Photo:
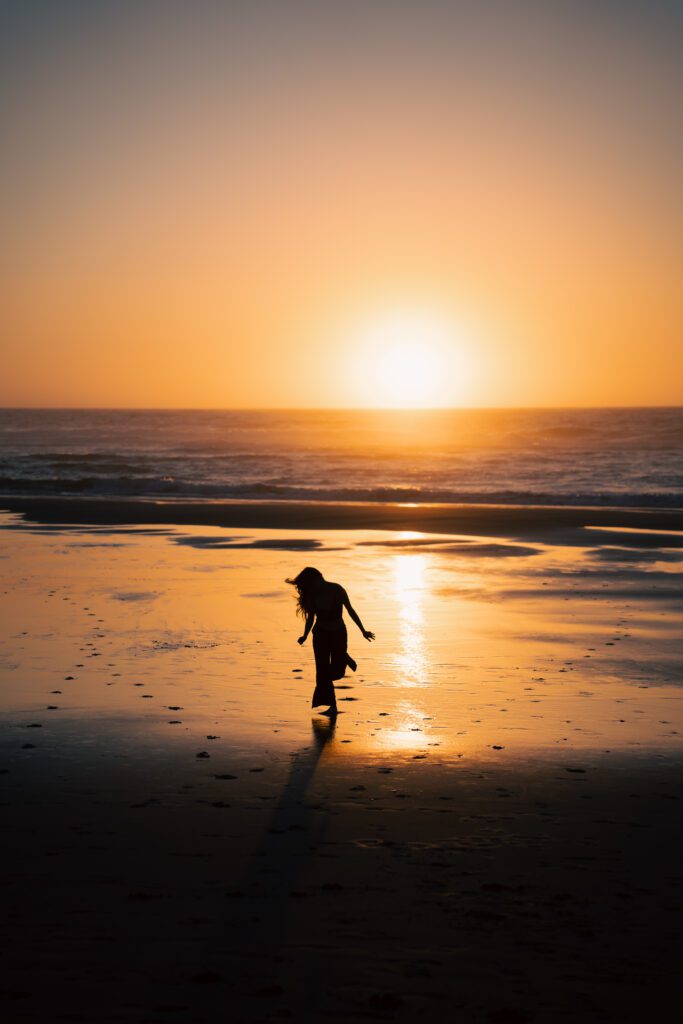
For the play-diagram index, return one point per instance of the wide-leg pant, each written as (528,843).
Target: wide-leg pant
(329,647)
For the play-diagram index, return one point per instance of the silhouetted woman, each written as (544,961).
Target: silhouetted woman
(322,602)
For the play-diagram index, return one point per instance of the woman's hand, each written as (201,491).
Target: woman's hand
(301,640)
(368,635)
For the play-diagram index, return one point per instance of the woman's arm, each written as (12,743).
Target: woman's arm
(354,615)
(309,625)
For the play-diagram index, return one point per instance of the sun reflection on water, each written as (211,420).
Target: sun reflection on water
(407,730)
(410,659)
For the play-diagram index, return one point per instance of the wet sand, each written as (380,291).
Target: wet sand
(493,520)
(491,831)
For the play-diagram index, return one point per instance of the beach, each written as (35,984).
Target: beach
(370,311)
(490,830)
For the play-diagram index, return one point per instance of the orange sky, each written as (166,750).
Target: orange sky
(205,208)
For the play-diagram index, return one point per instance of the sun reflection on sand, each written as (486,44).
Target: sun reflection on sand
(410,659)
(408,730)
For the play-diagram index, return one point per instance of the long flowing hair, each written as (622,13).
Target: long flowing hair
(306,583)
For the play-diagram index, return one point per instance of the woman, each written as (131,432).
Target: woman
(322,602)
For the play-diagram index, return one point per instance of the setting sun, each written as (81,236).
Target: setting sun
(409,360)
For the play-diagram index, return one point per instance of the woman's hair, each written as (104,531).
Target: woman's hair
(305,583)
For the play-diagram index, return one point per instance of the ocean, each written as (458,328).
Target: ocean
(622,457)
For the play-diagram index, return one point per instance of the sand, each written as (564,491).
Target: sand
(477,519)
(491,831)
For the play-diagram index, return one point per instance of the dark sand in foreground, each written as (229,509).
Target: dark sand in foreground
(490,833)
(507,893)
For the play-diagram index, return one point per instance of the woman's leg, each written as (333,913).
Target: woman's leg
(338,655)
(324,689)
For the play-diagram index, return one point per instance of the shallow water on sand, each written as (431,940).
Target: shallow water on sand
(182,644)
(495,799)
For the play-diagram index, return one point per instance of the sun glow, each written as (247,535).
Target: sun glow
(408,360)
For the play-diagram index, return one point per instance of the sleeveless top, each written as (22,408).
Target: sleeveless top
(329,615)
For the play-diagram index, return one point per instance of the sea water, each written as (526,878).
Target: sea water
(629,457)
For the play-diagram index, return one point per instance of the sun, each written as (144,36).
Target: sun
(407,373)
(406,360)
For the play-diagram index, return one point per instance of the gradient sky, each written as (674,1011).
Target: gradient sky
(207,204)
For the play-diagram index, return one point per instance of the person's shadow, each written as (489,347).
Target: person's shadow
(257,921)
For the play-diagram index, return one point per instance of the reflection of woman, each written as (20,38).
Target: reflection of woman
(322,602)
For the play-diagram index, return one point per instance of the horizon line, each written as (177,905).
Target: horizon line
(331,408)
